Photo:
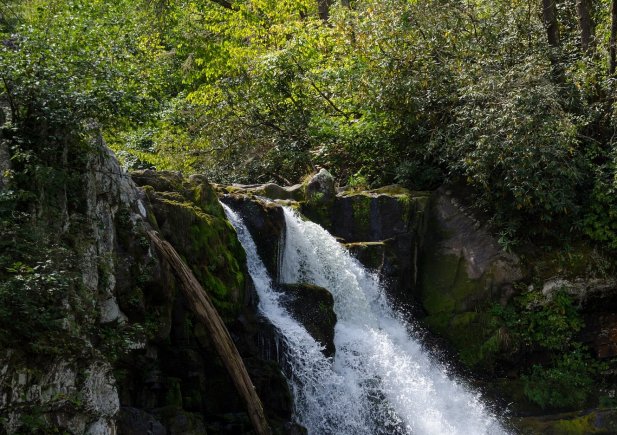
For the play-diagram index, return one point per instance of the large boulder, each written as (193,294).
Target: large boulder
(312,306)
(384,228)
(320,187)
(189,216)
(596,421)
(266,223)
(379,214)
(462,269)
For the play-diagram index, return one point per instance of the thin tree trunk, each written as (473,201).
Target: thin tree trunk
(585,23)
(549,17)
(613,41)
(201,305)
(323,7)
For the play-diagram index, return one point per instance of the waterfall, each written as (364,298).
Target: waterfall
(316,387)
(380,381)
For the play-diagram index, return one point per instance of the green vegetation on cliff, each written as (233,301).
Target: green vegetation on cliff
(515,100)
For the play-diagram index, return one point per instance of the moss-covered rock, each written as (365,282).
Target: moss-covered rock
(187,375)
(190,217)
(463,272)
(271,191)
(370,254)
(578,423)
(377,215)
(320,187)
(386,229)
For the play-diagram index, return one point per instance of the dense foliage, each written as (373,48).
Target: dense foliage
(511,103)
(500,96)
(67,70)
(544,329)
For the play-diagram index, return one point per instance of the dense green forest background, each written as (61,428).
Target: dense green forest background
(511,100)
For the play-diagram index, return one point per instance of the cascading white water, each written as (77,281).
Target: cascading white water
(323,399)
(381,381)
(400,388)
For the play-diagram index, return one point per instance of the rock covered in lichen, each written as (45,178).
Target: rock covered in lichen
(68,383)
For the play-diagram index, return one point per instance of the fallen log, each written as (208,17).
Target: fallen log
(202,307)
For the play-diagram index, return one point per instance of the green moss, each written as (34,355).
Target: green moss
(438,323)
(233,189)
(361,207)
(319,213)
(173,397)
(204,196)
(581,425)
(564,424)
(391,190)
(464,319)
(406,207)
(194,223)
(448,296)
(445,284)
(193,400)
(370,254)
(220,272)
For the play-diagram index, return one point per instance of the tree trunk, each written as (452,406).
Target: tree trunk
(585,23)
(549,17)
(323,7)
(613,42)
(204,310)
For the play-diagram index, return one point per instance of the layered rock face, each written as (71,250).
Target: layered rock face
(76,390)
(383,228)
(143,363)
(463,270)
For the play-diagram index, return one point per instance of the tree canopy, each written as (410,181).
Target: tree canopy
(514,100)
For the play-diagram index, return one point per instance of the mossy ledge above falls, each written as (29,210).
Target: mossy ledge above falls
(97,337)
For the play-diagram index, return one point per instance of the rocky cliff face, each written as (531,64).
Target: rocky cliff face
(114,347)
(463,271)
(75,389)
(142,363)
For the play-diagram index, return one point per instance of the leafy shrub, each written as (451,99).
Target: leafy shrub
(568,382)
(418,175)
(513,141)
(600,219)
(357,182)
(535,322)
(38,302)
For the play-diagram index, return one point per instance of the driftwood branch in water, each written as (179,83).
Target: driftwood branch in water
(201,305)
